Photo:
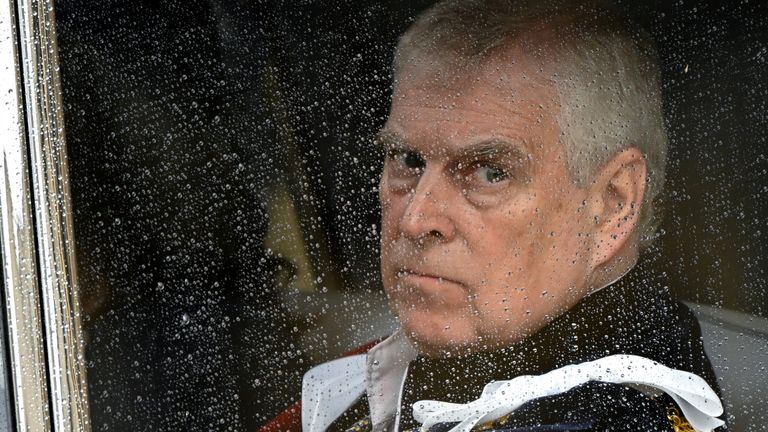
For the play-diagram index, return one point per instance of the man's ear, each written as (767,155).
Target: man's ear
(616,196)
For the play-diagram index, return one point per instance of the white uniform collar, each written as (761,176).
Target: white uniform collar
(387,365)
(328,390)
(699,403)
(332,388)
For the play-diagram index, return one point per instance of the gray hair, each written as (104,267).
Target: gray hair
(606,75)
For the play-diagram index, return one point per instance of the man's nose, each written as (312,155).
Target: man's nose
(428,212)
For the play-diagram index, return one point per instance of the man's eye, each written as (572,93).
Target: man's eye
(408,159)
(490,174)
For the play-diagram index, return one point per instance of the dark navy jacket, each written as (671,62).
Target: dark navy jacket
(636,315)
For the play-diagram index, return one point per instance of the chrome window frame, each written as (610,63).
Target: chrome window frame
(40,271)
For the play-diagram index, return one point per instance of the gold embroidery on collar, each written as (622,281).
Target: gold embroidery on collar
(678,422)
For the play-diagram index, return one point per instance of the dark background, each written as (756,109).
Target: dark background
(182,116)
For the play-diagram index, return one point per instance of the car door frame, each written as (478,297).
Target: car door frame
(46,356)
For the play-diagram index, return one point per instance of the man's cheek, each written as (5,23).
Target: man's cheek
(389,225)
(389,235)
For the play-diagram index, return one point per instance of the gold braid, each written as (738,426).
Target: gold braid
(678,422)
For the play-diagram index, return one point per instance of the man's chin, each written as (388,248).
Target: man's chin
(441,342)
(450,341)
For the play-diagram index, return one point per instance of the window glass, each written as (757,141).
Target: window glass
(224,179)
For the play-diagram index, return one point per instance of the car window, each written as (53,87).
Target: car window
(224,167)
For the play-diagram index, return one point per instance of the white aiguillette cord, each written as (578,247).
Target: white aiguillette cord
(696,399)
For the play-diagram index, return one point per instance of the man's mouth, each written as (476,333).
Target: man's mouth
(425,277)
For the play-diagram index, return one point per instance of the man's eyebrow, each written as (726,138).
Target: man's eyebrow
(494,147)
(386,139)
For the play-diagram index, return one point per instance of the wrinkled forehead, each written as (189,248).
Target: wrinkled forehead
(511,96)
(511,77)
(504,70)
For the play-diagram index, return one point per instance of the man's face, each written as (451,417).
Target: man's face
(485,238)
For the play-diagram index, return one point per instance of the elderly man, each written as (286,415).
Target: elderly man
(524,148)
